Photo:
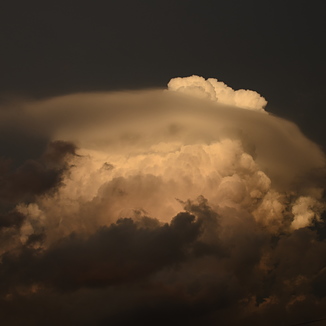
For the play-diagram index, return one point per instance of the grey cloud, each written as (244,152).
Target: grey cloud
(147,268)
(11,219)
(34,177)
(122,252)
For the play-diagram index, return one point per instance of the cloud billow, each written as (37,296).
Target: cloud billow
(156,203)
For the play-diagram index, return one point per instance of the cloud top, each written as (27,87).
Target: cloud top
(217,91)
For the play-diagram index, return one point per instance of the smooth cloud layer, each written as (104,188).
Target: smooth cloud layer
(148,204)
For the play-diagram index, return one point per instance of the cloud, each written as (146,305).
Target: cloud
(152,203)
(201,262)
(215,90)
(34,177)
(11,219)
(123,252)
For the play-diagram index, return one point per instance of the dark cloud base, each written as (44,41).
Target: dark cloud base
(148,272)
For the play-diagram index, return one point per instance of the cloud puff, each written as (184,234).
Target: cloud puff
(215,90)
(151,203)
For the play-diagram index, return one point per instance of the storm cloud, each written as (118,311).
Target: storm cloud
(160,207)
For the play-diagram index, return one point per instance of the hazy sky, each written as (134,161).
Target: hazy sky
(147,173)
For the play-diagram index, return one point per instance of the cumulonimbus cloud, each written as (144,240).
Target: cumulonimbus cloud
(185,204)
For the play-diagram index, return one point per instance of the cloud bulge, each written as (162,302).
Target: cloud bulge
(218,91)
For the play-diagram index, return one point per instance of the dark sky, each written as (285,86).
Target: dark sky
(274,47)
